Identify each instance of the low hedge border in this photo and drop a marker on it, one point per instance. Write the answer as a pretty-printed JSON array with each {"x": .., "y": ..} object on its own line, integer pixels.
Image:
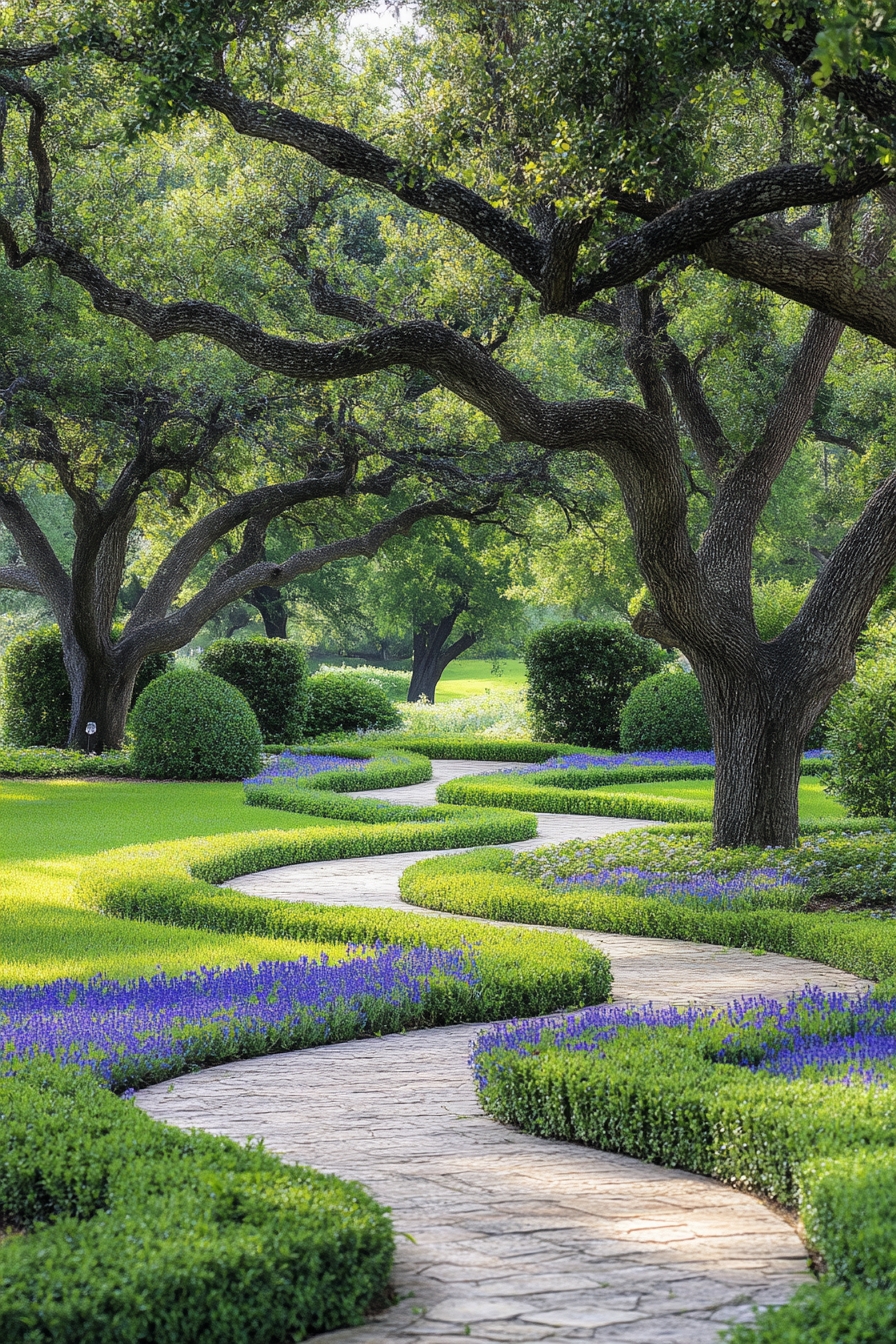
[
  {"x": 479, "y": 884},
  {"x": 828, "y": 1151},
  {"x": 465, "y": 748},
  {"x": 139, "y": 1233},
  {"x": 519, "y": 971},
  {"x": 578, "y": 791},
  {"x": 587, "y": 802},
  {"x": 380, "y": 770},
  {"x": 57, "y": 763}
]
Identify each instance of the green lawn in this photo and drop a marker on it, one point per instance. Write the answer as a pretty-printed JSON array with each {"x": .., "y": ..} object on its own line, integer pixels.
[
  {"x": 474, "y": 675},
  {"x": 815, "y": 804},
  {"x": 47, "y": 826}
]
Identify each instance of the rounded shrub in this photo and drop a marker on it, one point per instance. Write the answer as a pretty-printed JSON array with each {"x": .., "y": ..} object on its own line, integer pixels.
[
  {"x": 273, "y": 676},
  {"x": 861, "y": 735},
  {"x": 192, "y": 725},
  {"x": 37, "y": 698},
  {"x": 580, "y": 675},
  {"x": 664, "y": 712},
  {"x": 340, "y": 702}
]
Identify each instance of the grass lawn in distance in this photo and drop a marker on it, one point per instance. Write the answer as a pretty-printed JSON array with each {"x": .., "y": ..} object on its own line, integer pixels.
[
  {"x": 474, "y": 676},
  {"x": 815, "y": 804},
  {"x": 47, "y": 826}
]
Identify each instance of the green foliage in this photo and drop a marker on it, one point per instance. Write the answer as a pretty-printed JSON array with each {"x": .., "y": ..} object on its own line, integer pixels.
[
  {"x": 580, "y": 675},
  {"x": 342, "y": 703},
  {"x": 56, "y": 763},
  {"x": 465, "y": 748},
  {"x": 864, "y": 946},
  {"x": 383, "y": 770},
  {"x": 592, "y": 791},
  {"x": 273, "y": 676},
  {"x": 663, "y": 712},
  {"x": 518, "y": 971},
  {"x": 192, "y": 725},
  {"x": 392, "y": 681},
  {"x": 139, "y": 1232},
  {"x": 662, "y": 1095},
  {"x": 37, "y": 698},
  {"x": 861, "y": 734},
  {"x": 776, "y": 603}
]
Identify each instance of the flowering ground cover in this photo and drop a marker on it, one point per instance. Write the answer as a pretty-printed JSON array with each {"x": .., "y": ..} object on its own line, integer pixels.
[
  {"x": 852, "y": 864},
  {"x": 830, "y": 1038},
  {"x": 793, "y": 1100},
  {"x": 137, "y": 1032}
]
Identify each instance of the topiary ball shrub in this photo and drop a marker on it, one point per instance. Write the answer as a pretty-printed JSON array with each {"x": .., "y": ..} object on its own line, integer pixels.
[
  {"x": 343, "y": 703},
  {"x": 273, "y": 676},
  {"x": 37, "y": 698},
  {"x": 580, "y": 675},
  {"x": 664, "y": 712},
  {"x": 191, "y": 725},
  {"x": 861, "y": 735}
]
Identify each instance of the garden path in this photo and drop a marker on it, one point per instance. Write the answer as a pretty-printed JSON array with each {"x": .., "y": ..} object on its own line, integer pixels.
[{"x": 514, "y": 1238}]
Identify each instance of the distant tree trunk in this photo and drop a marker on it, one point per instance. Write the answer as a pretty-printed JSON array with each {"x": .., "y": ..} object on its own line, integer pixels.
[
  {"x": 271, "y": 603},
  {"x": 431, "y": 657}
]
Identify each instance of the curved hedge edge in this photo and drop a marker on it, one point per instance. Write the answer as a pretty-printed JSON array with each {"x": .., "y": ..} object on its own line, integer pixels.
[
  {"x": 464, "y": 748},
  {"x": 660, "y": 1096},
  {"x": 383, "y": 770},
  {"x": 478, "y": 884},
  {"x": 520, "y": 971},
  {"x": 578, "y": 802},
  {"x": 130, "y": 1219}
]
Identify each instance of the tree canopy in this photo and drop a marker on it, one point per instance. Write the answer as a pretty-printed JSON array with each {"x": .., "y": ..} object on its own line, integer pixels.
[{"x": 517, "y": 172}]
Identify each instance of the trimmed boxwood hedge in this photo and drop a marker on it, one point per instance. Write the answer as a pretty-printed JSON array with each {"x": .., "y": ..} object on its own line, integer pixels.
[
  {"x": 176, "y": 883},
  {"x": 192, "y": 725},
  {"x": 578, "y": 791},
  {"x": 479, "y": 884},
  {"x": 273, "y": 676},
  {"x": 828, "y": 1152},
  {"x": 380, "y": 769},
  {"x": 459, "y": 748},
  {"x": 138, "y": 1233}
]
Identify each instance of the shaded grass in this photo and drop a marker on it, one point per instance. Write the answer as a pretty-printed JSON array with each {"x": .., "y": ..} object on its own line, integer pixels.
[
  {"x": 815, "y": 804},
  {"x": 47, "y": 827}
]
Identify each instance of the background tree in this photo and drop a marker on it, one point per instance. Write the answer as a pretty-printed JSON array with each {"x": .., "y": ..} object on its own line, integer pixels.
[
  {"x": 121, "y": 453},
  {"x": 571, "y": 147}
]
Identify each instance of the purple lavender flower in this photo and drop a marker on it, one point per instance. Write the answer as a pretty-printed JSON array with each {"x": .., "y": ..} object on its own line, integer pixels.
[
  {"x": 831, "y": 1038},
  {"x": 144, "y": 1030},
  {"x": 289, "y": 765},
  {"x": 721, "y": 890},
  {"x": 583, "y": 760}
]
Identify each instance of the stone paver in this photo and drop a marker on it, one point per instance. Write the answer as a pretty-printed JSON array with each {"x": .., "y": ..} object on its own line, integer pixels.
[{"x": 514, "y": 1238}]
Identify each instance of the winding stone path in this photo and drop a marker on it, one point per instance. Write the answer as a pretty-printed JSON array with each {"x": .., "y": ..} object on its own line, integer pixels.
[{"x": 514, "y": 1238}]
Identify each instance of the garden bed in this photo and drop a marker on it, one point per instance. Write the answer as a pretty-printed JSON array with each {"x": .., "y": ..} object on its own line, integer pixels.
[{"x": 793, "y": 1102}]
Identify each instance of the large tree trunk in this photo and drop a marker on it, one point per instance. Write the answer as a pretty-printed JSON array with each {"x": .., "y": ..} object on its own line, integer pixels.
[
  {"x": 761, "y": 717},
  {"x": 431, "y": 657},
  {"x": 102, "y": 697}
]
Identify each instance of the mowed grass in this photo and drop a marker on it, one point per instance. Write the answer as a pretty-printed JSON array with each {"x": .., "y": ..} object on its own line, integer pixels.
[
  {"x": 47, "y": 827},
  {"x": 815, "y": 804},
  {"x": 474, "y": 676}
]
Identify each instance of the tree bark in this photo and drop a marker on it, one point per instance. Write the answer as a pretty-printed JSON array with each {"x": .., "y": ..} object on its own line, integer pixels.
[
  {"x": 761, "y": 712},
  {"x": 431, "y": 657}
]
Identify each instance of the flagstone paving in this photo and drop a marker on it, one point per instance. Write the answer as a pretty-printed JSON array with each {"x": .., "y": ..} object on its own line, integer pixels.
[{"x": 508, "y": 1237}]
